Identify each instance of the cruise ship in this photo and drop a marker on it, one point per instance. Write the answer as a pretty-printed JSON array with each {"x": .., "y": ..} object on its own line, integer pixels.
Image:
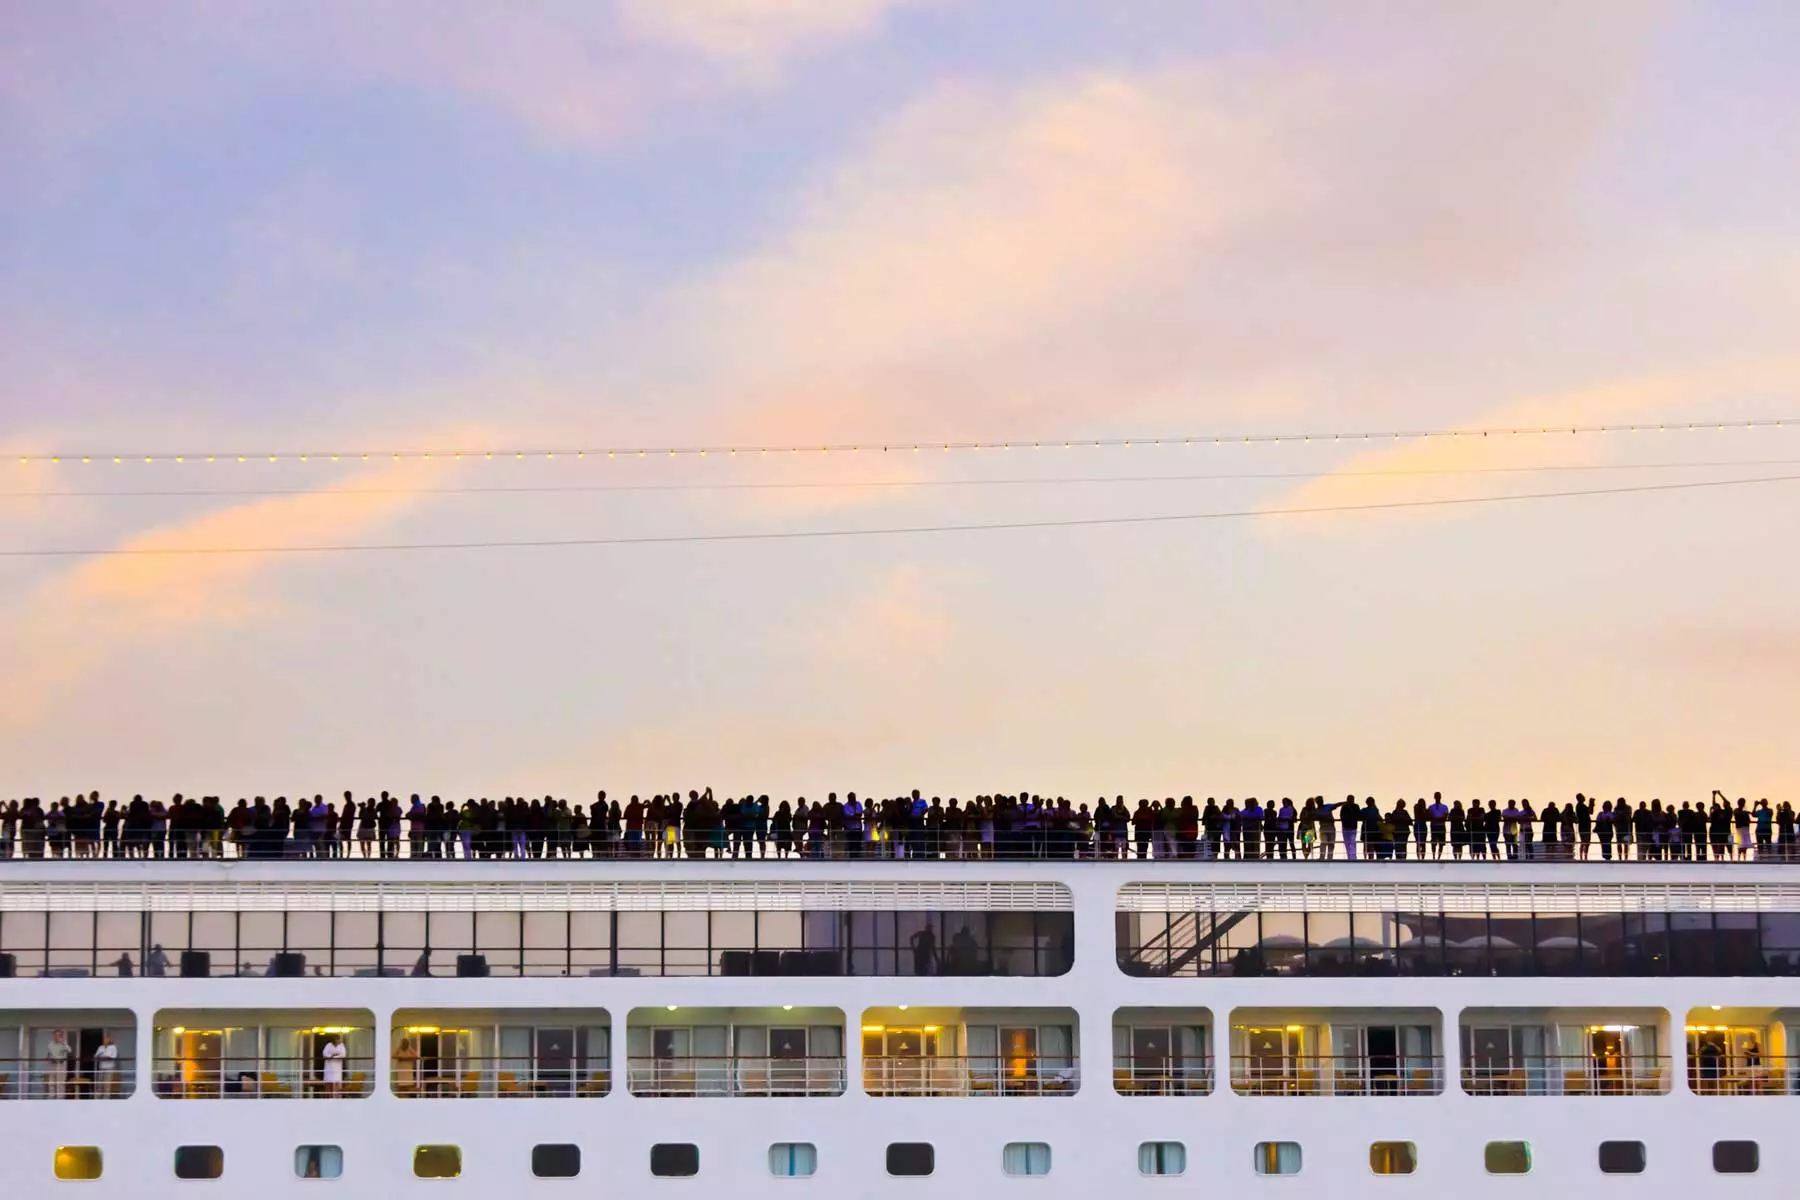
[{"x": 888, "y": 1028}]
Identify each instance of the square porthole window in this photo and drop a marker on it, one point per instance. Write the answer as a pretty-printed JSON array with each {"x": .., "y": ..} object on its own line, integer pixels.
[
  {"x": 556, "y": 1160},
  {"x": 911, "y": 1158},
  {"x": 1162, "y": 1158},
  {"x": 793, "y": 1160},
  {"x": 1393, "y": 1158},
  {"x": 1736, "y": 1158},
  {"x": 674, "y": 1160},
  {"x": 1026, "y": 1158},
  {"x": 1622, "y": 1158},
  {"x": 1277, "y": 1158},
  {"x": 78, "y": 1162},
  {"x": 318, "y": 1162},
  {"x": 199, "y": 1162},
  {"x": 1507, "y": 1158},
  {"x": 437, "y": 1162}
]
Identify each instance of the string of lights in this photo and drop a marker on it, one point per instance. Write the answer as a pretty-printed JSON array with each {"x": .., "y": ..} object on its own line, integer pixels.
[
  {"x": 889, "y": 484},
  {"x": 880, "y": 447},
  {"x": 785, "y": 535}
]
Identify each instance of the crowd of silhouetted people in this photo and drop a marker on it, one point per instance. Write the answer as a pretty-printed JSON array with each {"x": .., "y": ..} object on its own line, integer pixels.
[{"x": 700, "y": 825}]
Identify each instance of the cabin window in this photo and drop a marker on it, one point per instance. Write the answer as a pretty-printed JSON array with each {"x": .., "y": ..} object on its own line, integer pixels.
[
  {"x": 556, "y": 1160},
  {"x": 78, "y": 1162},
  {"x": 911, "y": 1158},
  {"x": 437, "y": 1162},
  {"x": 1026, "y": 1158},
  {"x": 1507, "y": 1158},
  {"x": 1736, "y": 1158},
  {"x": 199, "y": 1162},
  {"x": 318, "y": 1162},
  {"x": 1277, "y": 1158},
  {"x": 1622, "y": 1158},
  {"x": 793, "y": 1160},
  {"x": 1393, "y": 1158},
  {"x": 675, "y": 1160},
  {"x": 1162, "y": 1158}
]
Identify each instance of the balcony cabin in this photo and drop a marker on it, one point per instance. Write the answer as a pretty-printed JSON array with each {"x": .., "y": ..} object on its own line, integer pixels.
[
  {"x": 1564, "y": 1052},
  {"x": 1336, "y": 1052},
  {"x": 735, "y": 1052},
  {"x": 1743, "y": 1051},
  {"x": 238, "y": 1054},
  {"x": 1162, "y": 1052},
  {"x": 97, "y": 1058},
  {"x": 924, "y": 1051},
  {"x": 520, "y": 1054}
]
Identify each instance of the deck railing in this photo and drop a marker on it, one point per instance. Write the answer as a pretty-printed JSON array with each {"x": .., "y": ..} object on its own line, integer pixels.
[
  {"x": 39, "y": 1079},
  {"x": 503, "y": 1078},
  {"x": 1338, "y": 1075},
  {"x": 734, "y": 1076},
  {"x": 1570, "y": 1075},
  {"x": 261, "y": 1079},
  {"x": 984, "y": 1075},
  {"x": 1136, "y": 1076},
  {"x": 1772, "y": 1075}
]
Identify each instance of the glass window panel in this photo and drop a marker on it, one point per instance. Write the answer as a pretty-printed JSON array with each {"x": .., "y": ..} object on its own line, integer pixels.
[
  {"x": 199, "y": 1162},
  {"x": 590, "y": 943},
  {"x": 260, "y": 931},
  {"x": 1025, "y": 1158},
  {"x": 1736, "y": 1158},
  {"x": 1507, "y": 1158},
  {"x": 779, "y": 931},
  {"x": 1622, "y": 1158},
  {"x": 318, "y": 1162},
  {"x": 354, "y": 935},
  {"x": 556, "y": 1161},
  {"x": 403, "y": 935},
  {"x": 77, "y": 1162},
  {"x": 1162, "y": 1158},
  {"x": 675, "y": 1159},
  {"x": 1393, "y": 1158},
  {"x": 793, "y": 1160},
  {"x": 71, "y": 942},
  {"x": 451, "y": 934},
  {"x": 911, "y": 1158},
  {"x": 1277, "y": 1158},
  {"x": 310, "y": 934},
  {"x": 437, "y": 1162}
]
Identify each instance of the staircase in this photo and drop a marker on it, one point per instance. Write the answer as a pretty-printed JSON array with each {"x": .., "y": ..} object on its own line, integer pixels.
[{"x": 1187, "y": 937}]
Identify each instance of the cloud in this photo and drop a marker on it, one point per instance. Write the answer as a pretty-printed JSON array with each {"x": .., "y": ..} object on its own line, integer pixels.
[
  {"x": 74, "y": 620},
  {"x": 756, "y": 35},
  {"x": 1187, "y": 244},
  {"x": 1409, "y": 470}
]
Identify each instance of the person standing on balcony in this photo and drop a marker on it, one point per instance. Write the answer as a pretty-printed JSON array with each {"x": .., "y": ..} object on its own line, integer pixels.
[
  {"x": 106, "y": 1068},
  {"x": 56, "y": 1079},
  {"x": 332, "y": 1065}
]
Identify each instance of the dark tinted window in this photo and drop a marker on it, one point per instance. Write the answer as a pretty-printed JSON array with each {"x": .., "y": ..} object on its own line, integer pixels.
[
  {"x": 677, "y": 1159},
  {"x": 557, "y": 1161},
  {"x": 199, "y": 1162},
  {"x": 1622, "y": 1158},
  {"x": 1735, "y": 1158},
  {"x": 911, "y": 1158}
]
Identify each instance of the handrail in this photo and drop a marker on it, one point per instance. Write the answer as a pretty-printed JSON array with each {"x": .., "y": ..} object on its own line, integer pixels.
[
  {"x": 734, "y": 1075},
  {"x": 977, "y": 1075},
  {"x": 1772, "y": 1075},
  {"x": 505, "y": 1077},
  {"x": 1174, "y": 1076},
  {"x": 1569, "y": 1075},
  {"x": 73, "y": 1079},
  {"x": 264, "y": 1078},
  {"x": 1338, "y": 1075}
]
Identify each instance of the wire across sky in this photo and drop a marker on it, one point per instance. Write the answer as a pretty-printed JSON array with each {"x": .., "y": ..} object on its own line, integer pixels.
[
  {"x": 784, "y": 535},
  {"x": 151, "y": 457}
]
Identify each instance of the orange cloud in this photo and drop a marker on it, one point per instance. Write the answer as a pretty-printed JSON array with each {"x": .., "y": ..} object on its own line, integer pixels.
[{"x": 73, "y": 621}]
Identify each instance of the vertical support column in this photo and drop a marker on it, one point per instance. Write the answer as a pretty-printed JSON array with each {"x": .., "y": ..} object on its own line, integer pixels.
[
  {"x": 381, "y": 1071},
  {"x": 1095, "y": 970},
  {"x": 1221, "y": 1050},
  {"x": 1450, "y": 1049}
]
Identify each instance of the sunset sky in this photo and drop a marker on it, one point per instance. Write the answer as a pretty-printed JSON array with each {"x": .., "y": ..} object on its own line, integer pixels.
[{"x": 253, "y": 226}]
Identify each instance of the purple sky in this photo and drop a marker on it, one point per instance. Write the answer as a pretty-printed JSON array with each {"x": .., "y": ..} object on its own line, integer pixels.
[{"x": 247, "y": 225}]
